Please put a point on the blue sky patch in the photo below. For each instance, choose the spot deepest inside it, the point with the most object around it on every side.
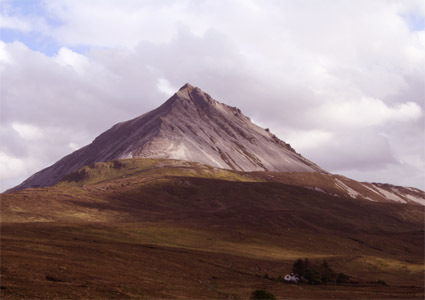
(33, 40)
(414, 21)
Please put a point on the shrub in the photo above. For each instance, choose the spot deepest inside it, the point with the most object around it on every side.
(342, 278)
(312, 276)
(381, 282)
(306, 264)
(328, 275)
(298, 267)
(262, 294)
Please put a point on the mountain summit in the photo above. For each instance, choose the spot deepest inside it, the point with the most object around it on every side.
(189, 126)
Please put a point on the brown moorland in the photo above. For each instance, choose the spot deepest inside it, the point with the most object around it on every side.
(160, 229)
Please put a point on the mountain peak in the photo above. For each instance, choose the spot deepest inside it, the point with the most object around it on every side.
(193, 95)
(187, 86)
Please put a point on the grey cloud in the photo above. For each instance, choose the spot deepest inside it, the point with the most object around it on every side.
(355, 150)
(11, 143)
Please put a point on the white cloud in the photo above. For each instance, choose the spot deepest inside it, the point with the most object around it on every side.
(365, 112)
(123, 25)
(12, 18)
(73, 146)
(28, 132)
(11, 166)
(8, 22)
(14, 169)
(164, 87)
(308, 139)
(4, 56)
(67, 57)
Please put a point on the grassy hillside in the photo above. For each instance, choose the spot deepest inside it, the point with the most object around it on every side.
(175, 230)
(148, 168)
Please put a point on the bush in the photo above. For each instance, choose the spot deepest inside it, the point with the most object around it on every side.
(262, 294)
(298, 268)
(312, 276)
(381, 282)
(328, 275)
(342, 278)
(306, 264)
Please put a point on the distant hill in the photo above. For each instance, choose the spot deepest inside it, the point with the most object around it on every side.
(134, 182)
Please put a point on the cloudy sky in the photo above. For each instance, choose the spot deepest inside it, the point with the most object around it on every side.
(341, 81)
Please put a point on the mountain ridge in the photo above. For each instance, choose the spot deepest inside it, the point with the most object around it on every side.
(189, 126)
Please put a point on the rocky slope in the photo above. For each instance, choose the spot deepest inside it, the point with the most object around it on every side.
(343, 187)
(189, 126)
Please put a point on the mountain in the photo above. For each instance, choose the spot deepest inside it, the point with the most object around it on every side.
(189, 126)
(194, 201)
(192, 126)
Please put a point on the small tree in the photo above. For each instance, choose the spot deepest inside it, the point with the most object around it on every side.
(312, 276)
(306, 264)
(328, 275)
(262, 294)
(381, 282)
(298, 267)
(342, 278)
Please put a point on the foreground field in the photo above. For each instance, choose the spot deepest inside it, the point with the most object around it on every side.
(191, 232)
(146, 261)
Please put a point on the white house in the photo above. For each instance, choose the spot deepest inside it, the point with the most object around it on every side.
(291, 278)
